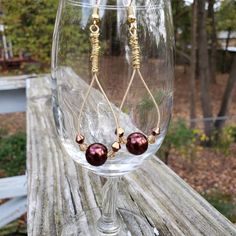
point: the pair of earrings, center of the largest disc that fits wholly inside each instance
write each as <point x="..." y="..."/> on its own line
<point x="136" y="143"/>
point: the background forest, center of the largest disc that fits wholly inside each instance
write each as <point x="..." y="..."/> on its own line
<point x="201" y="142"/>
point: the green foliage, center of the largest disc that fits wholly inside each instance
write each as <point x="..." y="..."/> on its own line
<point x="231" y="130"/>
<point x="181" y="139"/>
<point x="226" y="16"/>
<point x="188" y="143"/>
<point x="146" y="104"/>
<point x="3" y="132"/>
<point x="182" y="23"/>
<point x="16" y="228"/>
<point x="12" y="153"/>
<point x="30" y="68"/>
<point x="74" y="40"/>
<point x="179" y="134"/>
<point x="226" y="137"/>
<point x="223" y="203"/>
<point x="30" y="26"/>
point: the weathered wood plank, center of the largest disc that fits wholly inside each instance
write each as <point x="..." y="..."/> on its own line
<point x="12" y="93"/>
<point x="58" y="188"/>
<point x="12" y="210"/>
<point x="14" y="82"/>
<point x="13" y="187"/>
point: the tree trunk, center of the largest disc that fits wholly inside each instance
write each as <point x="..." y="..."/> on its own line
<point x="227" y="40"/>
<point x="226" y="49"/>
<point x="213" y="40"/>
<point x="193" y="65"/>
<point x="204" y="67"/>
<point x="227" y="96"/>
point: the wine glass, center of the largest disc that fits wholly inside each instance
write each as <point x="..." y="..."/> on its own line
<point x="112" y="84"/>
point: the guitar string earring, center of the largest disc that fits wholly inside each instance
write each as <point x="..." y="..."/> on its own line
<point x="96" y="153"/>
<point x="137" y="143"/>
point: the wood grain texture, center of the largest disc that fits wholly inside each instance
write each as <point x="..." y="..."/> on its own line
<point x="58" y="188"/>
<point x="13" y="187"/>
<point x="14" y="82"/>
<point x="12" y="210"/>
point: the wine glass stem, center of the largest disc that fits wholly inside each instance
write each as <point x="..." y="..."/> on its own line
<point x="108" y="223"/>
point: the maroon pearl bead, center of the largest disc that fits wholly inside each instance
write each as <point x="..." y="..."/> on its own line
<point x="96" y="154"/>
<point x="137" y="143"/>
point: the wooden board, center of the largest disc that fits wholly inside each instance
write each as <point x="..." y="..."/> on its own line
<point x="14" y="82"/>
<point x="12" y="210"/>
<point x="13" y="187"/>
<point x="58" y="188"/>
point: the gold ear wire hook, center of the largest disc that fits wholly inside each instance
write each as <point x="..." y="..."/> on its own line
<point x="95" y="15"/>
<point x="131" y="16"/>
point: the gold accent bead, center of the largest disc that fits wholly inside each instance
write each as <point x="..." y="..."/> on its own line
<point x="83" y="147"/>
<point x="131" y="19"/>
<point x="120" y="132"/>
<point x="151" y="139"/>
<point x="79" y="139"/>
<point x="156" y="131"/>
<point x="116" y="147"/>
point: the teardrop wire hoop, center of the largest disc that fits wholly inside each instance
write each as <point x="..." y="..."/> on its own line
<point x="94" y="38"/>
<point x="136" y="61"/>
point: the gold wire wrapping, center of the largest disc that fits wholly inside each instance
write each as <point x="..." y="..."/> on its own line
<point x="135" y="49"/>
<point x="94" y="39"/>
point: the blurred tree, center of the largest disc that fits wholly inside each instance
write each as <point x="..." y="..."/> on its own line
<point x="193" y="64"/>
<point x="212" y="39"/>
<point x="182" y="27"/>
<point x="206" y="22"/>
<point x="226" y="21"/>
<point x="30" y="26"/>
<point x="226" y="18"/>
<point x="226" y="97"/>
<point x="203" y="67"/>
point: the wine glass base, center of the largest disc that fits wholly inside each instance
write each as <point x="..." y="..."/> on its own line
<point x="131" y="224"/>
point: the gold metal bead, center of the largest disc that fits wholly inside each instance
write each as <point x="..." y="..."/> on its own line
<point x="156" y="131"/>
<point x="83" y="147"/>
<point x="131" y="19"/>
<point x="151" y="139"/>
<point x="120" y="132"/>
<point x="79" y="139"/>
<point x="116" y="147"/>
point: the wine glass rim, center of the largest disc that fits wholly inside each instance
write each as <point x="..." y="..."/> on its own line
<point x="113" y="7"/>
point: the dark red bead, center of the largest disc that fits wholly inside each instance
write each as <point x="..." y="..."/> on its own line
<point x="137" y="143"/>
<point x="96" y="154"/>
